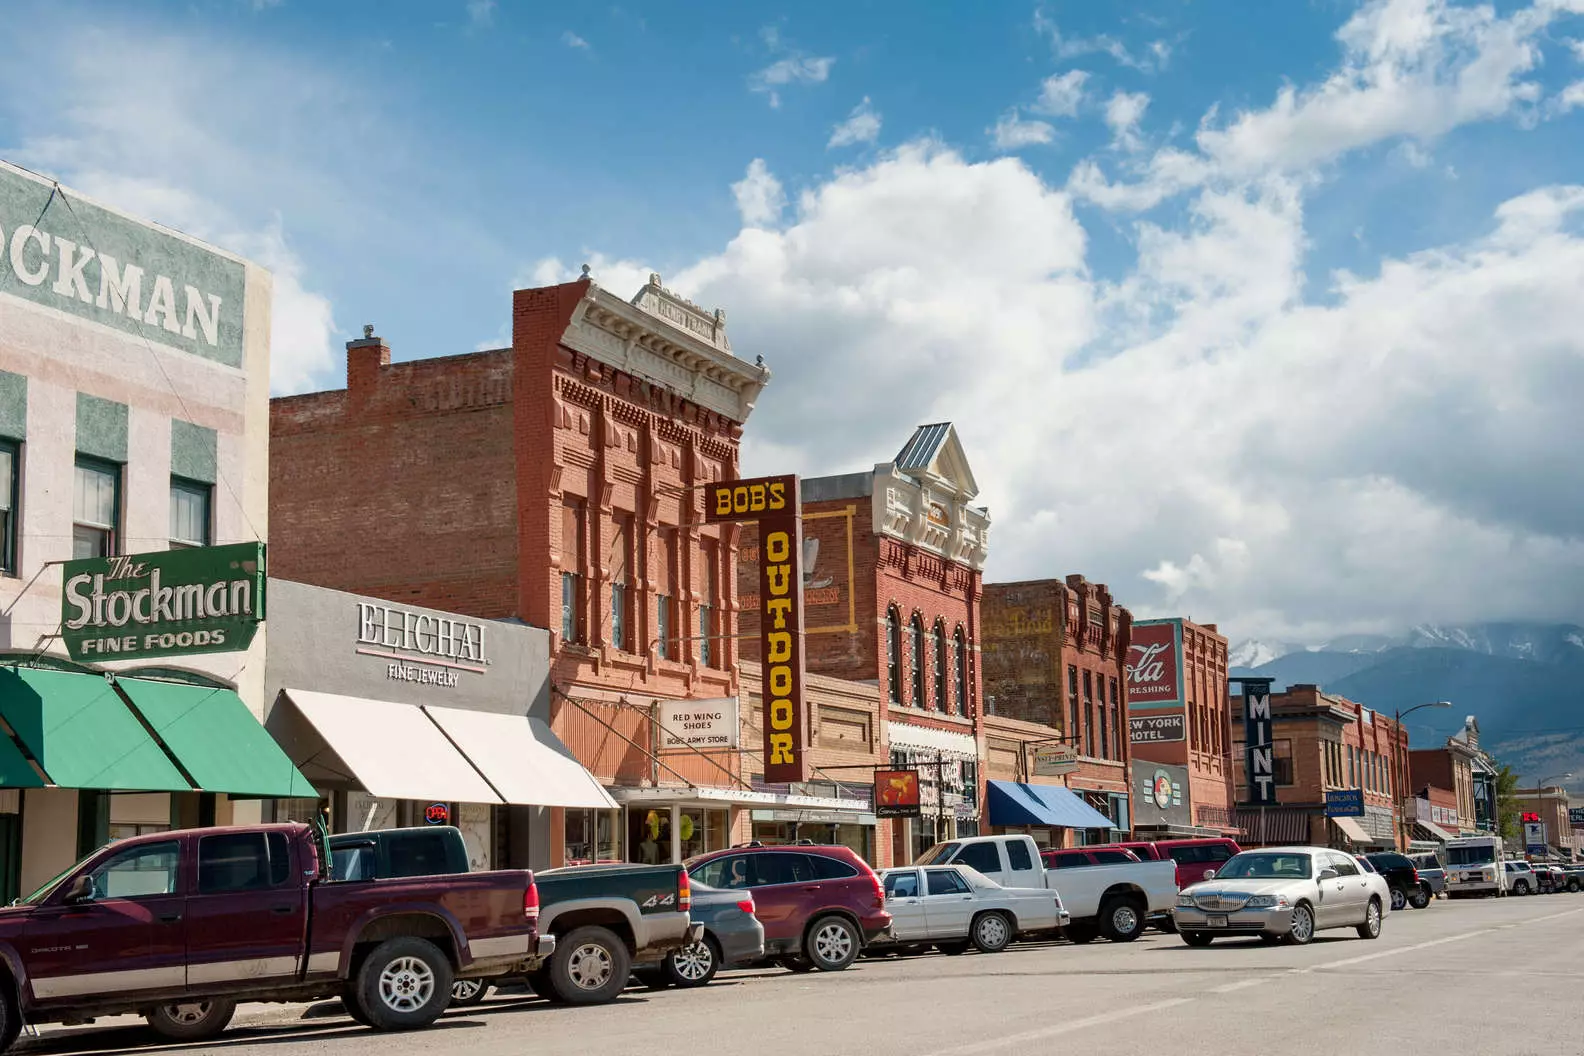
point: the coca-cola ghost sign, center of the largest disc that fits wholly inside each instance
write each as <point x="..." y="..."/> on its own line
<point x="1154" y="665"/>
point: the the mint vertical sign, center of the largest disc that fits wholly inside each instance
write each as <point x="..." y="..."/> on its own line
<point x="168" y="603"/>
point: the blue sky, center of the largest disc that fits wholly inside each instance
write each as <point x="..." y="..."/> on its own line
<point x="1269" y="347"/>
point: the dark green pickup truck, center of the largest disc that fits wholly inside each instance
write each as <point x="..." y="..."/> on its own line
<point x="605" y="919"/>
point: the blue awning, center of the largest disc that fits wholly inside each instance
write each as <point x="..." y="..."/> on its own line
<point x="1014" y="803"/>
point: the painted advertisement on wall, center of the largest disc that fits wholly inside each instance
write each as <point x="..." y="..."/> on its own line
<point x="1160" y="795"/>
<point x="1155" y="708"/>
<point x="829" y="605"/>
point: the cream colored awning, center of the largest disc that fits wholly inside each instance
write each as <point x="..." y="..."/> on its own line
<point x="1353" y="830"/>
<point x="523" y="760"/>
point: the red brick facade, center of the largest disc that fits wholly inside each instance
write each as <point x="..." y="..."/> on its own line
<point x="1207" y="751"/>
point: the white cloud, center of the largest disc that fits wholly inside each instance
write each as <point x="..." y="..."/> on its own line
<point x="481" y="13"/>
<point x="760" y="198"/>
<point x="1012" y="132"/>
<point x="791" y="70"/>
<point x="1061" y="94"/>
<point x="1124" y="111"/>
<point x="572" y="40"/>
<point x="1569" y="98"/>
<point x="1152" y="57"/>
<point x="1577" y="47"/>
<point x="1414" y="68"/>
<point x="861" y="126"/>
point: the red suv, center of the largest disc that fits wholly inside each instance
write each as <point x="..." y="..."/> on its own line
<point x="1195" y="858"/>
<point x="819" y="905"/>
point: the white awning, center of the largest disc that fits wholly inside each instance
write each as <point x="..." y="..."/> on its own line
<point x="393" y="750"/>
<point x="1353" y="830"/>
<point x="519" y="755"/>
<point x="927" y="738"/>
<point x="1434" y="830"/>
<point x="704" y="795"/>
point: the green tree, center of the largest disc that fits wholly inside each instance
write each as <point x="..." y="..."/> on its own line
<point x="1507" y="808"/>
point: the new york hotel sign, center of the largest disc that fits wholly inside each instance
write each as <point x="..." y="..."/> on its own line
<point x="773" y="503"/>
<point x="167" y="603"/>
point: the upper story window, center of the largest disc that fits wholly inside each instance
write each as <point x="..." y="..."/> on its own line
<point x="894" y="655"/>
<point x="663" y="576"/>
<point x="961" y="648"/>
<point x="191" y="515"/>
<point x="572" y="568"/>
<point x="1072" y="701"/>
<point x="707" y="607"/>
<point x="10" y="494"/>
<point x="917" y="660"/>
<point x="620" y="594"/>
<point x="96" y="508"/>
<point x="942" y="671"/>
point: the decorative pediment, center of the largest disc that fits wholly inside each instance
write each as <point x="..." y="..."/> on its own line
<point x="935" y="455"/>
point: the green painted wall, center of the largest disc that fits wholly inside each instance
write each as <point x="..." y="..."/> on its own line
<point x="13" y="405"/>
<point x="192" y="451"/>
<point x="82" y="259"/>
<point x="101" y="428"/>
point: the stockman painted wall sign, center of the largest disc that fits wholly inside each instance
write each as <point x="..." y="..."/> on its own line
<point x="774" y="503"/>
<point x="167" y="603"/>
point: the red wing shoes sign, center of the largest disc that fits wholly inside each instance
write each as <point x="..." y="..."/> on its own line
<point x="1155" y="682"/>
<point x="168" y="603"/>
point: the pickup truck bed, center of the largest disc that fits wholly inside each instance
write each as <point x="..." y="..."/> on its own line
<point x="181" y="926"/>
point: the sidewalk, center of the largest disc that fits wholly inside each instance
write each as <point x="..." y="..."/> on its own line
<point x="256" y="1014"/>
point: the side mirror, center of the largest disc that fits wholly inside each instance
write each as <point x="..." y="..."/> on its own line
<point x="1328" y="873"/>
<point x="80" y="890"/>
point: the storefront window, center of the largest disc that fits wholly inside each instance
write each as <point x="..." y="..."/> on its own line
<point x="699" y="830"/>
<point x="593" y="836"/>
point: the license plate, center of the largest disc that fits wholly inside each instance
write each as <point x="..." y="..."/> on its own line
<point x="1217" y="920"/>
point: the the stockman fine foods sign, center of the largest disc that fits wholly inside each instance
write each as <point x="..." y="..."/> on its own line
<point x="168" y="603"/>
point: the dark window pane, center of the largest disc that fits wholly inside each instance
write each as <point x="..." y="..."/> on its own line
<point x="981" y="856"/>
<point x="902" y="885"/>
<point x="233" y="862"/>
<point x="946" y="882"/>
<point x="1018" y="855"/>
<point x="830" y="868"/>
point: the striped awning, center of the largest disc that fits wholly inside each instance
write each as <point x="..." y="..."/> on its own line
<point x="1273" y="825"/>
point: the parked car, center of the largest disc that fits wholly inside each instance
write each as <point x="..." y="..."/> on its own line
<point x="1474" y="867"/>
<point x="605" y="919"/>
<point x="1521" y="879"/>
<point x="732" y="936"/>
<point x="953" y="907"/>
<point x="181" y="926"/>
<point x="1402" y="877"/>
<point x="1197" y="859"/>
<point x="1111" y="899"/>
<point x="1431" y="873"/>
<point x="1575" y="876"/>
<point x="1283" y="894"/>
<point x="1077" y="857"/>
<point x="1551" y="878"/>
<point x="820" y="905"/>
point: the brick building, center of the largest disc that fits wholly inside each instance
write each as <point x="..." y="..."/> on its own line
<point x="1189" y="728"/>
<point x="893" y="561"/>
<point x="1326" y="743"/>
<point x="1551" y="803"/>
<point x="1461" y="767"/>
<point x="557" y="482"/>
<point x="1055" y="654"/>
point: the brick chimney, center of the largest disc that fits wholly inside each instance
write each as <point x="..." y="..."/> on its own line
<point x="364" y="360"/>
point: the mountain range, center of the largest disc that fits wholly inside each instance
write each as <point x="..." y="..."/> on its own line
<point x="1523" y="681"/>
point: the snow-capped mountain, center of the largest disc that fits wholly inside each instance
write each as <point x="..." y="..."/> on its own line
<point x="1520" y="640"/>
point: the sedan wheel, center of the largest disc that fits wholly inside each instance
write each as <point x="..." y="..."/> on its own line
<point x="1421" y="897"/>
<point x="1371" y="928"/>
<point x="1302" y="932"/>
<point x="1521" y="887"/>
<point x="693" y="965"/>
<point x="833" y="944"/>
<point x="992" y="933"/>
<point x="1399" y="900"/>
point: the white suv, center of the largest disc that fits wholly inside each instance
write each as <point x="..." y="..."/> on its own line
<point x="1521" y="879"/>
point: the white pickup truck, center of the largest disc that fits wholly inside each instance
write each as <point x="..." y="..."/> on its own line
<point x="1110" y="900"/>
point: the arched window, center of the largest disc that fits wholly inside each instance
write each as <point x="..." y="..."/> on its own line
<point x="918" y="661"/>
<point x="894" y="654"/>
<point x="942" y="672"/>
<point x="961" y="665"/>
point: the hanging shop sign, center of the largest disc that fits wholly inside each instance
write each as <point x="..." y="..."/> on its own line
<point x="1155" y="682"/>
<point x="1259" y="751"/>
<point x="1345" y="803"/>
<point x="897" y="794"/>
<point x="1576" y="817"/>
<point x="167" y="603"/>
<point x="774" y="504"/>
<point x="1054" y="760"/>
<point x="699" y="723"/>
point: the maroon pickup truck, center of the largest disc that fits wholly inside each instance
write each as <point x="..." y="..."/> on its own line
<point x="180" y="926"/>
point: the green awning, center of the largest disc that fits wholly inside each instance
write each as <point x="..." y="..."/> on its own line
<point x="216" y="739"/>
<point x="81" y="734"/>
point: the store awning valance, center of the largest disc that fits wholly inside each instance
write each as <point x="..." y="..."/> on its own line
<point x="1355" y="832"/>
<point x="81" y="734"/>
<point x="394" y="751"/>
<point x="1013" y="803"/>
<point x="216" y="739"/>
<point x="1435" y="832"/>
<point x="521" y="758"/>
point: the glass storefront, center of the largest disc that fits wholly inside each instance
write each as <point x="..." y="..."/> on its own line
<point x="593" y="836"/>
<point x="699" y="829"/>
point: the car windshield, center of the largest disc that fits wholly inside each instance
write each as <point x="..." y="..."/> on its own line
<point x="1482" y="854"/>
<point x="940" y="854"/>
<point x="1265" y="865"/>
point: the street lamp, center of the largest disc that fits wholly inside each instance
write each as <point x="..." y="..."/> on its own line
<point x="1402" y="765"/>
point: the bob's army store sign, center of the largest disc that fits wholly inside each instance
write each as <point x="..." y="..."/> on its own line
<point x="167" y="603"/>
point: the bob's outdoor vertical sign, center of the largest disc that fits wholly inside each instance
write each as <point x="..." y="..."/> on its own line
<point x="1155" y="682"/>
<point x="167" y="603"/>
<point x="773" y="503"/>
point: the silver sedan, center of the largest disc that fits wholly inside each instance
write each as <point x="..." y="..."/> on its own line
<point x="1283" y="894"/>
<point x="953" y="906"/>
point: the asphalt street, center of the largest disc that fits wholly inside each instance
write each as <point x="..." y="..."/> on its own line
<point x="1458" y="977"/>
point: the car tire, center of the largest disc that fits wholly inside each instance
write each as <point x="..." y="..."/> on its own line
<point x="992" y="932"/>
<point x="538" y="982"/>
<point x="404" y="984"/>
<point x="349" y="1005"/>
<point x="693" y="966"/>
<point x="10" y="1017"/>
<point x="1399" y="899"/>
<point x="1422" y="897"/>
<point x="1573" y="885"/>
<point x="797" y="964"/>
<point x="1521" y="888"/>
<point x="590" y="966"/>
<point x="468" y="992"/>
<point x="191" y="1020"/>
<point x="1080" y="934"/>
<point x="1196" y="938"/>
<point x="1371" y="928"/>
<point x="952" y="949"/>
<point x="1122" y="919"/>
<point x="832" y="943"/>
<point x="1303" y="924"/>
